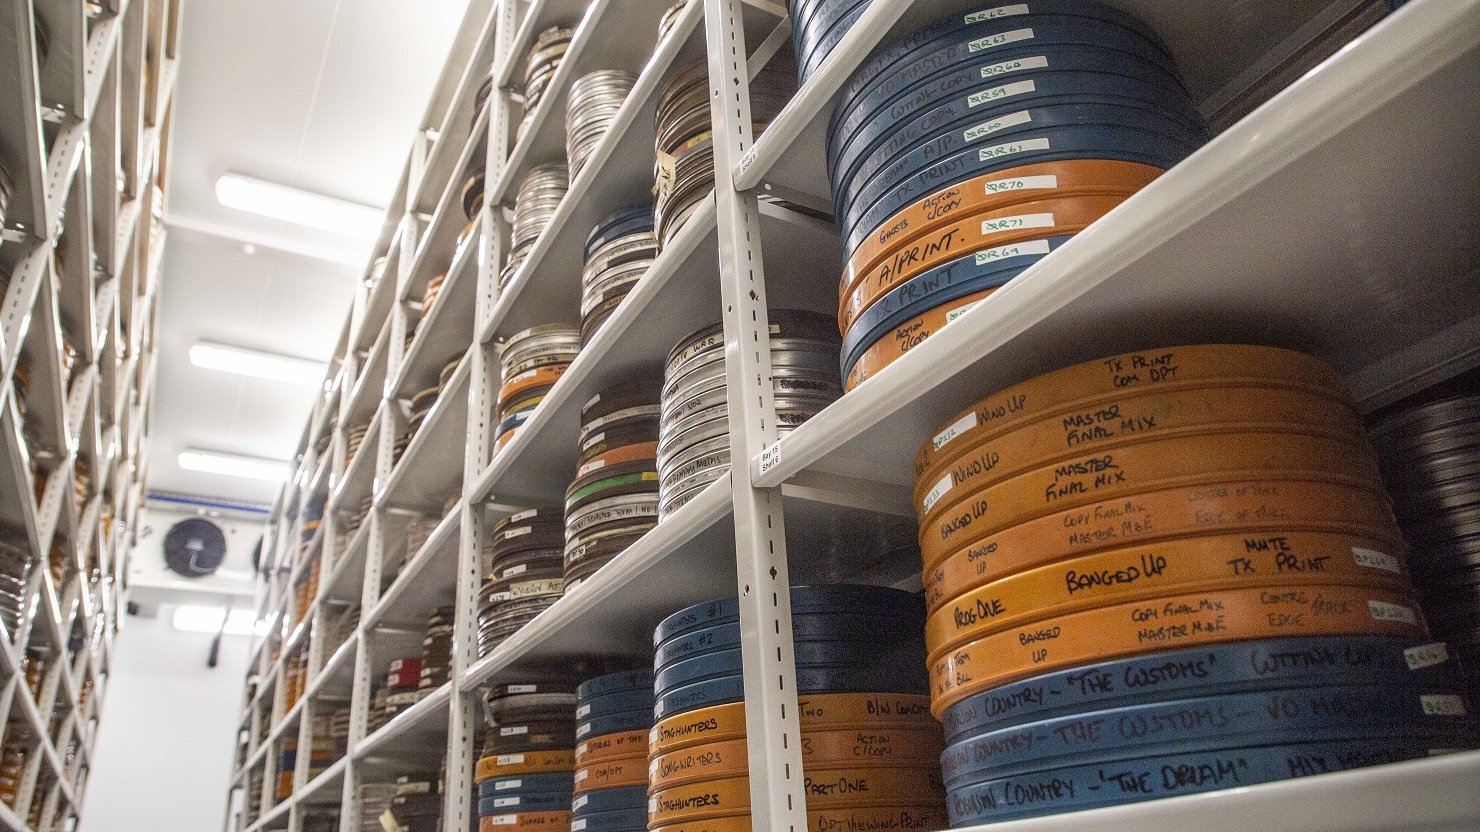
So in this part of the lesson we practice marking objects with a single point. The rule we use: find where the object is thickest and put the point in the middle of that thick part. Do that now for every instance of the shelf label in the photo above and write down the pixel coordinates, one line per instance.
(992, 14)
(771, 457)
(666, 172)
(1013, 223)
(1011, 148)
(1003, 68)
(1373, 559)
(747, 160)
(952, 315)
(1383, 611)
(1426, 655)
(940, 489)
(983, 44)
(987, 128)
(1442, 704)
(998, 93)
(954, 430)
(1023, 183)
(1011, 250)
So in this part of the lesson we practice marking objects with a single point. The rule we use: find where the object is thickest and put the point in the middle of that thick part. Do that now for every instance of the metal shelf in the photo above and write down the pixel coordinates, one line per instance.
(21, 148)
(436, 246)
(685, 559)
(369, 388)
(1254, 203)
(338, 670)
(670, 301)
(426, 582)
(431, 468)
(537, 465)
(541, 15)
(356, 481)
(419, 731)
(445, 330)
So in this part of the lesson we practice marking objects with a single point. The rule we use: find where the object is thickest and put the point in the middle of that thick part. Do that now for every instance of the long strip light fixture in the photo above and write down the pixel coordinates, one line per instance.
(233, 465)
(257, 364)
(298, 206)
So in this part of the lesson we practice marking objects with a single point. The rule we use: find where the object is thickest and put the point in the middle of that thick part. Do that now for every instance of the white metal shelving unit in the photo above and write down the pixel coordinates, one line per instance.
(85, 117)
(1339, 216)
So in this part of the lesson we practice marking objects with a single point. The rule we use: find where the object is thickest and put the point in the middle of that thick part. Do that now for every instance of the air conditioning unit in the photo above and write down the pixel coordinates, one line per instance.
(193, 555)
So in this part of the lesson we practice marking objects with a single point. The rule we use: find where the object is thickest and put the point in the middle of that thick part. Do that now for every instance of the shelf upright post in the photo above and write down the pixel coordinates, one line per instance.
(376, 547)
(15, 315)
(777, 800)
(483, 381)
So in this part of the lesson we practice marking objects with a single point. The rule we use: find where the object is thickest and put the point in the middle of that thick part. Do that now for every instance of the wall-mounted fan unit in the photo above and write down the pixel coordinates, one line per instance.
(194, 547)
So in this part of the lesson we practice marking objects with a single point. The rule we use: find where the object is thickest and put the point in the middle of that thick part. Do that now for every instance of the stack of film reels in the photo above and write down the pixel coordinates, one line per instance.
(425, 399)
(694, 434)
(1430, 458)
(416, 805)
(966, 152)
(619, 251)
(614, 499)
(544, 58)
(526, 774)
(870, 749)
(670, 18)
(374, 800)
(472, 205)
(353, 440)
(816, 28)
(1168, 572)
(539, 195)
(614, 714)
(593, 102)
(524, 574)
(436, 647)
(684, 144)
(532, 361)
(401, 690)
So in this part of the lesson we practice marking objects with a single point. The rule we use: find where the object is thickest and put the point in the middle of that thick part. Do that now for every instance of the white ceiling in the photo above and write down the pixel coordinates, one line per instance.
(323, 95)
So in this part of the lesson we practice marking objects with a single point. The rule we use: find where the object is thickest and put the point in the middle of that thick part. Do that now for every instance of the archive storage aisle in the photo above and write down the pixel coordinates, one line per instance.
(1334, 211)
(83, 169)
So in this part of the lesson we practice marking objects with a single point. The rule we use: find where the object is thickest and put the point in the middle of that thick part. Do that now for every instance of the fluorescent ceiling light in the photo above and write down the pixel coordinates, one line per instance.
(257, 364)
(192, 619)
(232, 465)
(298, 206)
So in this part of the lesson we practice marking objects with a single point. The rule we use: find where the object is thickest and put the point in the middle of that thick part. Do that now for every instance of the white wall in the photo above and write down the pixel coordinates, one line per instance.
(167, 731)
